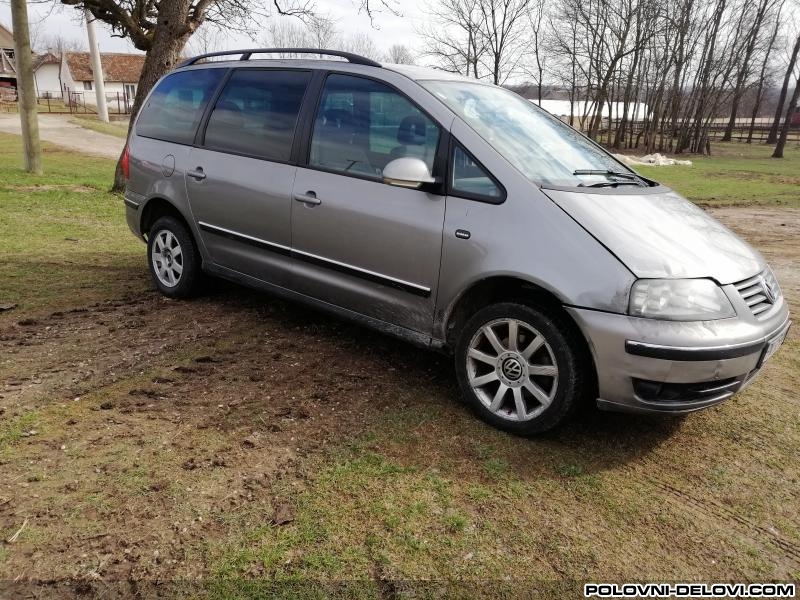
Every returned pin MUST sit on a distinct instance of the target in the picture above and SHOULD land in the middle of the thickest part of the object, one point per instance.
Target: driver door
(359, 243)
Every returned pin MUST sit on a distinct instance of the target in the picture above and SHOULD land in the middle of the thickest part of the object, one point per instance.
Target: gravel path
(58, 130)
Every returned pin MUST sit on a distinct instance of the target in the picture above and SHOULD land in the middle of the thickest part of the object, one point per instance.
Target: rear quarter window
(175, 107)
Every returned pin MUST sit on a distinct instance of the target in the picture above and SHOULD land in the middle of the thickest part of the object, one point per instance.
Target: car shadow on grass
(417, 402)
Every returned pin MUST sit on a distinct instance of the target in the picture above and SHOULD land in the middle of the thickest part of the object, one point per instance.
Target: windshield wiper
(610, 183)
(628, 178)
(621, 174)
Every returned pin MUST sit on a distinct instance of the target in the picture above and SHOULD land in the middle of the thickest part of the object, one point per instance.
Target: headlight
(679, 300)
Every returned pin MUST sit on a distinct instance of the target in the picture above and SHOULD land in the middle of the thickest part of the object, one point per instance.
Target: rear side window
(176, 106)
(256, 113)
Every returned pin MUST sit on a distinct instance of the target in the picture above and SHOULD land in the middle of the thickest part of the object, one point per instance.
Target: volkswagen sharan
(456, 215)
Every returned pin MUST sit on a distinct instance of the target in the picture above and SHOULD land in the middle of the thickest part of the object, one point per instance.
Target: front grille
(657, 391)
(760, 293)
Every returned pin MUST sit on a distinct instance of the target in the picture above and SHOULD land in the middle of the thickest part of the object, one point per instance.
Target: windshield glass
(546, 150)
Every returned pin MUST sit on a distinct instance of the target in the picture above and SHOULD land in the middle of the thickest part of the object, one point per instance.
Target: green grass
(12, 430)
(63, 236)
(735, 174)
(115, 128)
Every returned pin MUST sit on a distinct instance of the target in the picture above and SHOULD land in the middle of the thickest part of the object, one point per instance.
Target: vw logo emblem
(512, 369)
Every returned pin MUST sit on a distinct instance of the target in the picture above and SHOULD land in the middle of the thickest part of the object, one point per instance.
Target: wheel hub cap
(512, 369)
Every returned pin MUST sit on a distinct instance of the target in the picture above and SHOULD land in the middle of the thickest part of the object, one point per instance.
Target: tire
(547, 367)
(173, 258)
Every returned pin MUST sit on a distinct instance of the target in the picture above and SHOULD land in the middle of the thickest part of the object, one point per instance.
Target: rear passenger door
(240, 178)
(359, 243)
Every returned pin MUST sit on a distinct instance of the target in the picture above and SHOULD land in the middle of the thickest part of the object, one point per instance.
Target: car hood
(661, 235)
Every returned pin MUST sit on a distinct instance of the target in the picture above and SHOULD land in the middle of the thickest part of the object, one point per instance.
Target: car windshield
(545, 150)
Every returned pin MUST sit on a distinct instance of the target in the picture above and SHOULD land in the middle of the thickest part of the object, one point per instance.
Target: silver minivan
(456, 215)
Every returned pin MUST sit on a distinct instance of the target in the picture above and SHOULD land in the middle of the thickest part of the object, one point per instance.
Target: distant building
(47, 75)
(8, 71)
(583, 108)
(70, 76)
(121, 74)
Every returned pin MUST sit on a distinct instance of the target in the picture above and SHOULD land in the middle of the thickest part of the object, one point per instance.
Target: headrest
(412, 131)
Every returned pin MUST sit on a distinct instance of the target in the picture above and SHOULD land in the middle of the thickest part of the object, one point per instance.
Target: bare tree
(361, 43)
(787, 122)
(285, 33)
(503, 27)
(400, 54)
(762, 77)
(773, 132)
(453, 36)
(536, 16)
(757, 14)
(207, 38)
(58, 44)
(322, 32)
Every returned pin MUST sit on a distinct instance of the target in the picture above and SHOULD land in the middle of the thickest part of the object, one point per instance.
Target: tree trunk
(773, 132)
(26, 88)
(787, 122)
(760, 90)
(169, 38)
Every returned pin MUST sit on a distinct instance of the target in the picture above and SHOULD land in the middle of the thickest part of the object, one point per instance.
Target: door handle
(309, 198)
(197, 174)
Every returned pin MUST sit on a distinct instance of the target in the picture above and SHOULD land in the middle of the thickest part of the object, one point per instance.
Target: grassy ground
(249, 446)
(736, 174)
(116, 128)
(52, 230)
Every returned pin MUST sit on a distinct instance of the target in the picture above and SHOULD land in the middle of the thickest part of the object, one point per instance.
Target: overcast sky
(386, 30)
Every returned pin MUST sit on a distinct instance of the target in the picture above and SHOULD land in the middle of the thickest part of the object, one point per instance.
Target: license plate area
(773, 345)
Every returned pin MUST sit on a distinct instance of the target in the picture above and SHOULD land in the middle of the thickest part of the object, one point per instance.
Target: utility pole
(97, 69)
(26, 89)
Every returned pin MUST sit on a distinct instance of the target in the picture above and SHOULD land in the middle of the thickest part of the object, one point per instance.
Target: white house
(47, 75)
(8, 71)
(120, 75)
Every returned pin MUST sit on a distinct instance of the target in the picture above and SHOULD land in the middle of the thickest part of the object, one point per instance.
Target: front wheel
(173, 258)
(521, 369)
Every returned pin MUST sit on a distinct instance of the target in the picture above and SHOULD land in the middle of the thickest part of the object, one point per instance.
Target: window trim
(200, 134)
(304, 160)
(454, 143)
(213, 96)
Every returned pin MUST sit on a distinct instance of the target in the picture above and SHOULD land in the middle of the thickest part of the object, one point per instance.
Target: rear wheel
(173, 258)
(522, 369)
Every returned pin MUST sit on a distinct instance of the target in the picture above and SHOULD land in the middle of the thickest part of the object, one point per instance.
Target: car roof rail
(246, 54)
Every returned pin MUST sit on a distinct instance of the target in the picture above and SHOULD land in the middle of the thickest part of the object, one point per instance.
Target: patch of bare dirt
(49, 187)
(156, 421)
(775, 232)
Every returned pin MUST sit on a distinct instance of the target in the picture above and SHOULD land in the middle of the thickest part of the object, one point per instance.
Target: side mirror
(407, 172)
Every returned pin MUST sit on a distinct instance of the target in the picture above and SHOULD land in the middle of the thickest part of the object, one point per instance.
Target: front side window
(362, 125)
(176, 106)
(470, 179)
(543, 148)
(256, 113)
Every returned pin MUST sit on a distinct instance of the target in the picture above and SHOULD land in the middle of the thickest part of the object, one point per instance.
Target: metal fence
(68, 102)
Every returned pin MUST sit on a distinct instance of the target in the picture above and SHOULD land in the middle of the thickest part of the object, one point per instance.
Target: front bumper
(652, 366)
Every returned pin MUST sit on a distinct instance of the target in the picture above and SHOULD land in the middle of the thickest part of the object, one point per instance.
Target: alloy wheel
(167, 258)
(512, 369)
